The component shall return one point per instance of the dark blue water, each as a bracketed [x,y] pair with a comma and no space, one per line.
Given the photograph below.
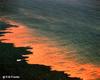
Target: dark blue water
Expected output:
[73,23]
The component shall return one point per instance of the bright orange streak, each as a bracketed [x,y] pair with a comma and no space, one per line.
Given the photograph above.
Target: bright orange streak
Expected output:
[47,52]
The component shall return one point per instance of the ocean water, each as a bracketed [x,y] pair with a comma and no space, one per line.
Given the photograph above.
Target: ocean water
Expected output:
[74,24]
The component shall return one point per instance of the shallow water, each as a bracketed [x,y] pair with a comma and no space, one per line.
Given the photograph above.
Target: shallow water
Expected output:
[69,28]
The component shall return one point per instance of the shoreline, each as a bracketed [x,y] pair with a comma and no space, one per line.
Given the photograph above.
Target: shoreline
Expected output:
[10,65]
[40,54]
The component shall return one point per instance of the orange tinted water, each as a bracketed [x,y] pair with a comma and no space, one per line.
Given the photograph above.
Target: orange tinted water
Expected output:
[47,52]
